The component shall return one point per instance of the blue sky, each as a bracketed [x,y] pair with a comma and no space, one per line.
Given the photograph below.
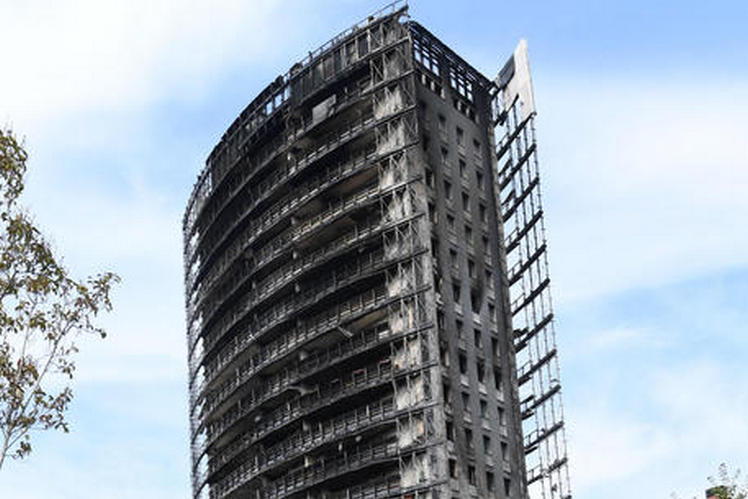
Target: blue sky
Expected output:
[643,112]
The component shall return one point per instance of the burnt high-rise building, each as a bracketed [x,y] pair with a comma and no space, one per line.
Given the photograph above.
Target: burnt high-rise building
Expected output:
[368,311]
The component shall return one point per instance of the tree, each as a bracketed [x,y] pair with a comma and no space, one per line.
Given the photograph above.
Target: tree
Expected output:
[42,311]
[726,485]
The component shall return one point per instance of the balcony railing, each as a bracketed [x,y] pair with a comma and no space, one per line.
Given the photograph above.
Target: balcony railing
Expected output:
[331,142]
[263,157]
[284,309]
[303,441]
[258,117]
[361,379]
[211,270]
[276,383]
[356,460]
[282,243]
[315,327]
[284,207]
[296,336]
[302,478]
[340,137]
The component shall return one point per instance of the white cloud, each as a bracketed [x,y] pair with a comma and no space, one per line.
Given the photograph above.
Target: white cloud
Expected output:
[68,56]
[692,418]
[645,181]
[607,446]
[707,401]
[622,338]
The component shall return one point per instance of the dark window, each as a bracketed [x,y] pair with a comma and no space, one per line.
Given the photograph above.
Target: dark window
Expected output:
[475,301]
[425,143]
[452,468]
[497,379]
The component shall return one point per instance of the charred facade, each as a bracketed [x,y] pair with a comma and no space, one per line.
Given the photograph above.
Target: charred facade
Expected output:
[367,297]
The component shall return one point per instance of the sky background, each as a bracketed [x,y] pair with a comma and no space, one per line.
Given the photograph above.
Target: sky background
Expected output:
[643,117]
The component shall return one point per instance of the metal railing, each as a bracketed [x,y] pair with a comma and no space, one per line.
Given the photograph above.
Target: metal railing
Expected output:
[218,233]
[303,441]
[377,489]
[330,142]
[340,277]
[279,175]
[250,121]
[357,381]
[212,333]
[301,478]
[210,270]
[284,207]
[284,308]
[315,327]
[335,140]
[360,458]
[242,340]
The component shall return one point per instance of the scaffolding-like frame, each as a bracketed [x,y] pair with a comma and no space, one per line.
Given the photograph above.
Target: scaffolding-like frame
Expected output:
[528,281]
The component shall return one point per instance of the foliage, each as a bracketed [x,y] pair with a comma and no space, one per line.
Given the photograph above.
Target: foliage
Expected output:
[727,485]
[42,310]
